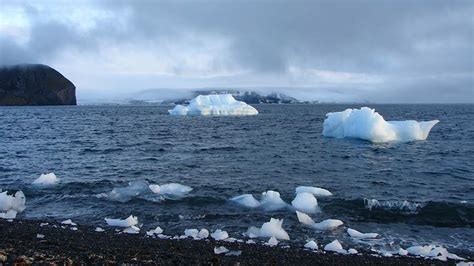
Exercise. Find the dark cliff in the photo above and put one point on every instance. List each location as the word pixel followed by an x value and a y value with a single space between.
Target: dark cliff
pixel 35 85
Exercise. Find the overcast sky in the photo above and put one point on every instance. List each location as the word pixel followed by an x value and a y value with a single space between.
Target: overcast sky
pixel 380 51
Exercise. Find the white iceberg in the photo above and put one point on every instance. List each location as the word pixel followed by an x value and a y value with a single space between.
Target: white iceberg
pixel 131 230
pixel 16 202
pixel 335 246
pixel 311 245
pixel 99 229
pixel 203 233
pixel 273 228
pixel 68 222
pixel 305 202
pixel 352 251
pixel 271 201
pixel 215 105
pixel 191 233
pixel 9 215
pixel 220 235
pixel 171 190
pixel 316 191
pixel 46 180
pixel 246 200
pixel 356 234
pixel 130 221
pixel 367 124
pixel 433 251
pixel 402 252
pixel 156 231
pixel 325 225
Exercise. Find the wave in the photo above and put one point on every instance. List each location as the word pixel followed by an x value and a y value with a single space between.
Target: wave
pixel 438 214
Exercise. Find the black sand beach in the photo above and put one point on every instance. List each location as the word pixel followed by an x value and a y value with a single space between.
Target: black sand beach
pixel 19 245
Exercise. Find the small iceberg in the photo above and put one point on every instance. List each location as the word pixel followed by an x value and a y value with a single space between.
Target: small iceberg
pixel 432 251
pixel 369 125
pixel 271 201
pixel 311 245
pixel 335 246
pixel 203 234
pixel 171 190
pixel 12 204
pixel 156 231
pixel 316 191
pixel 356 234
pixel 246 200
pixel 219 235
pixel 68 222
pixel 272 242
pixel 325 225
pixel 99 229
pixel 130 221
pixel 46 180
pixel 214 105
pixel 9 215
pixel 273 228
pixel 220 250
pixel 124 194
pixel 305 202
pixel 352 251
pixel 131 230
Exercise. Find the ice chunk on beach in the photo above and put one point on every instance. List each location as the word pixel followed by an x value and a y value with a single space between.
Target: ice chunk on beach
pixel 246 200
pixel 215 105
pixel 316 191
pixel 271 201
pixel 156 231
pixel 272 242
pixel 273 228
pixel 433 251
pixel 130 221
pixel 369 125
pixel 171 190
pixel 12 202
pixel 220 250
pixel 46 180
pixel 99 229
pixel 311 245
pixel 131 230
pixel 335 246
pixel 219 235
pixel 203 233
pixel 352 251
pixel 305 202
pixel 356 234
pixel 10 214
pixel 402 252
pixel 325 225
pixel 191 233
pixel 68 222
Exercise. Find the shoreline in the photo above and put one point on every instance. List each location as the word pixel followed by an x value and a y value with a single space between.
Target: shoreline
pixel 19 244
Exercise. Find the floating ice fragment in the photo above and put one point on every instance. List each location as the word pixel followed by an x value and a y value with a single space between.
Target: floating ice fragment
pixel 43 224
pixel 311 245
pixel 131 230
pixel 325 225
pixel 305 202
pixel 98 229
pixel 215 105
pixel 68 222
pixel 335 246
pixel 273 228
pixel 246 200
pixel 203 233
pixel 130 221
pixel 316 191
pixel 367 124
pixel 124 194
pixel 40 236
pixel 356 234
pixel 46 180
pixel 352 251
pixel 171 190
pixel 219 235
pixel 220 250
pixel 234 253
pixel 271 201
pixel 272 242
pixel 16 202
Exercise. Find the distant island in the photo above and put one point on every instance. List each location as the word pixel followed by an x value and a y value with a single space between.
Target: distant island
pixel 35 84
pixel 247 96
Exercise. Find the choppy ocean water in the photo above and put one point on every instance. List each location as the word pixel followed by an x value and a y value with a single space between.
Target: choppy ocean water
pixel 411 193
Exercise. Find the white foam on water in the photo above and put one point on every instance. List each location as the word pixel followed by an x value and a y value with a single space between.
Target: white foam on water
pixel 369 125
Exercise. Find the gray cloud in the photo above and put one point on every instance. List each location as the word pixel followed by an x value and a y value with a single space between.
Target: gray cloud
pixel 412 45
